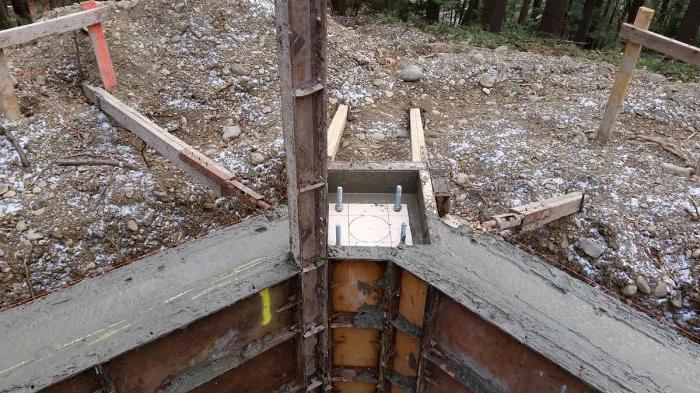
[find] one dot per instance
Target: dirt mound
(200, 66)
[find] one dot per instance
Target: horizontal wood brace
(311, 187)
(461, 373)
(314, 330)
(355, 374)
(309, 90)
(314, 266)
(660, 43)
(27, 33)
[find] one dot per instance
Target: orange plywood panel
(354, 387)
(356, 283)
(413, 295)
(355, 347)
(407, 355)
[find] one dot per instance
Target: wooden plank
(8, 100)
(199, 166)
(623, 77)
(668, 46)
(375, 166)
(99, 46)
(335, 130)
(419, 151)
(538, 214)
(301, 38)
(23, 34)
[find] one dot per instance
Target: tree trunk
(471, 13)
(536, 8)
(432, 11)
(524, 12)
(497, 15)
(691, 22)
(21, 8)
(554, 17)
(585, 24)
(4, 20)
(632, 10)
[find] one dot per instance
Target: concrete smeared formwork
(74, 329)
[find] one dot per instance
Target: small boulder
(661, 289)
(677, 301)
(231, 132)
(643, 285)
(132, 226)
(591, 247)
(478, 58)
(21, 226)
(629, 290)
(501, 49)
(487, 81)
(34, 235)
(461, 178)
(257, 158)
(411, 73)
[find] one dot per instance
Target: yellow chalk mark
(267, 307)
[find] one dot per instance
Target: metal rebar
(397, 199)
(404, 230)
(339, 199)
(338, 235)
(77, 56)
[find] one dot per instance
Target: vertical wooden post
(301, 39)
(431, 305)
(8, 99)
(99, 45)
(623, 77)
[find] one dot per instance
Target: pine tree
(690, 24)
(554, 17)
(22, 11)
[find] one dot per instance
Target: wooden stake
(623, 77)
(99, 45)
(8, 99)
(335, 130)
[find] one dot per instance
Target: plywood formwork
(452, 313)
(301, 38)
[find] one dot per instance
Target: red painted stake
(99, 45)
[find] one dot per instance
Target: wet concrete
(595, 337)
(98, 319)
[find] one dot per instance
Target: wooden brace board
(23, 34)
(199, 166)
(335, 130)
(662, 44)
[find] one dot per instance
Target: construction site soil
(510, 127)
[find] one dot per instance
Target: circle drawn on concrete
(369, 229)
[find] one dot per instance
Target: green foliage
(525, 38)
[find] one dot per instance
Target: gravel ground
(510, 127)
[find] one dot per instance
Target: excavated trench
(449, 313)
